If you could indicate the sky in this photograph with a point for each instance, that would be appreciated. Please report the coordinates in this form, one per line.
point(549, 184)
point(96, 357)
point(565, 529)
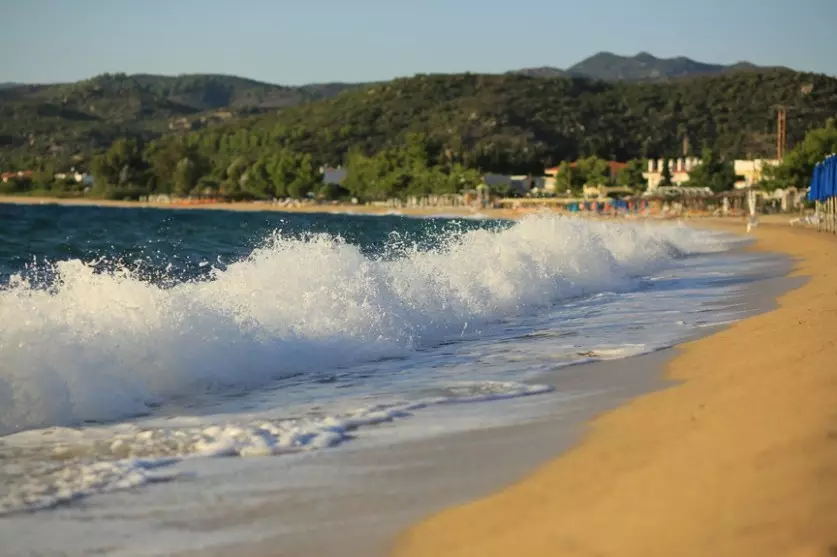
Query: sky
point(293, 42)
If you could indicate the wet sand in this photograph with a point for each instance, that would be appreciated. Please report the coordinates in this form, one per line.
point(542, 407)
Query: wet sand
point(740, 459)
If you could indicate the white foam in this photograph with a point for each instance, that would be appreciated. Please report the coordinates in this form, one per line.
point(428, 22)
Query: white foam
point(55, 466)
point(104, 346)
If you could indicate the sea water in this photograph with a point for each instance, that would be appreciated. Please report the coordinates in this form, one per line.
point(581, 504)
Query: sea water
point(136, 342)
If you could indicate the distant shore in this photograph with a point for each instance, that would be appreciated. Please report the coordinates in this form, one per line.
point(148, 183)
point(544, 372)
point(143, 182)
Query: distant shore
point(737, 460)
point(334, 208)
point(345, 208)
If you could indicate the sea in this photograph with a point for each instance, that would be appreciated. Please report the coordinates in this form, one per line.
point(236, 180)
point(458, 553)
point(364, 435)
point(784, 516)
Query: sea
point(140, 348)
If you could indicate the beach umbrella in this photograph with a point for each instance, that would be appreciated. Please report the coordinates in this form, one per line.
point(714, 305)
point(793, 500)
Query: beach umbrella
point(823, 179)
point(815, 177)
point(831, 185)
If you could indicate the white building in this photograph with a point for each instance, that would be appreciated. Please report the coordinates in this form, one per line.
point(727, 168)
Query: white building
point(679, 168)
point(751, 171)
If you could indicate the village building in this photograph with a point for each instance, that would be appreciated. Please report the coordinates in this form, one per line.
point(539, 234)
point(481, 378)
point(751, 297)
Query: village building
point(751, 172)
point(678, 168)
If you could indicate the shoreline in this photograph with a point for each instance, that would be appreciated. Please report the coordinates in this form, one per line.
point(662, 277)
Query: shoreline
point(737, 458)
point(349, 209)
point(410, 492)
point(397, 485)
point(258, 206)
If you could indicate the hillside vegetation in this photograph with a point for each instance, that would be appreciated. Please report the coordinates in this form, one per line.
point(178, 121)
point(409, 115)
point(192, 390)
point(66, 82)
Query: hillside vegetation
point(517, 123)
point(437, 133)
point(63, 120)
point(428, 133)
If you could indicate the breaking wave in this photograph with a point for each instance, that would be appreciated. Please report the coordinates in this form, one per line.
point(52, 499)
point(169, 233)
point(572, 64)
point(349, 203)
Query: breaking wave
point(99, 346)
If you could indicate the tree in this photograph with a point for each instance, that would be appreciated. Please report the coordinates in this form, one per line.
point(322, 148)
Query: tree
point(568, 178)
point(798, 165)
point(185, 176)
point(631, 176)
point(713, 173)
point(163, 158)
point(595, 171)
point(665, 174)
point(125, 175)
point(121, 164)
point(43, 178)
point(236, 170)
point(306, 178)
point(258, 181)
point(208, 185)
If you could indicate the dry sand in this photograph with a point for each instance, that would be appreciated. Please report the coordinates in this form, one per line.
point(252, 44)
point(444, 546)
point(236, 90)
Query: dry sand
point(738, 460)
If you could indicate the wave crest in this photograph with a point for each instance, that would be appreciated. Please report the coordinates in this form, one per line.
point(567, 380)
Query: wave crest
point(106, 345)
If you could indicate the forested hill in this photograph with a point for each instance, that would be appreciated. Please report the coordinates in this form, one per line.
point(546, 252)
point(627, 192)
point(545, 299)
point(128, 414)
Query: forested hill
point(514, 122)
point(65, 119)
point(190, 93)
point(497, 122)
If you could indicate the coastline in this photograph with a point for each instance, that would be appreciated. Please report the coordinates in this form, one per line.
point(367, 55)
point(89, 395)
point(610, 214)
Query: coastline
point(738, 459)
point(333, 208)
point(398, 484)
point(256, 206)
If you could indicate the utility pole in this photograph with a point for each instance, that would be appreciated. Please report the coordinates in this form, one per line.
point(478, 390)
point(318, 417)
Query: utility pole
point(781, 131)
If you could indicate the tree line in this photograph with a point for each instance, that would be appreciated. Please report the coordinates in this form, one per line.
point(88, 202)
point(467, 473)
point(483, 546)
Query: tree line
point(183, 168)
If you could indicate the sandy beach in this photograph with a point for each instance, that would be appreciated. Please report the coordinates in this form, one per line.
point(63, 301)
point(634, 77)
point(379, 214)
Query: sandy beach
point(739, 459)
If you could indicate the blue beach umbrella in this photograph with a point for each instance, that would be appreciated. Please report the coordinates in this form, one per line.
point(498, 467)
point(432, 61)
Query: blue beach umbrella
point(815, 178)
point(822, 180)
point(831, 183)
point(824, 187)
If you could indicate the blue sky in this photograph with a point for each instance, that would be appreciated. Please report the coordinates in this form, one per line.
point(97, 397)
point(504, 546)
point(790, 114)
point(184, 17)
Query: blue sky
point(303, 41)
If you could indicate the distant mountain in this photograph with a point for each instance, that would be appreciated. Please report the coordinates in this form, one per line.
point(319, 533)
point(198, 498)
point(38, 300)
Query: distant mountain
point(606, 66)
point(192, 93)
point(8, 84)
point(543, 71)
point(64, 119)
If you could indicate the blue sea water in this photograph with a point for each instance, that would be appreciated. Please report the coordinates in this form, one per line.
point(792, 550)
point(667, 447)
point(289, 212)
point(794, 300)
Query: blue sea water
point(134, 340)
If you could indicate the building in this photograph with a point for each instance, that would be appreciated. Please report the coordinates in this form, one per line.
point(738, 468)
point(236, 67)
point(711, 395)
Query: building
point(77, 177)
point(522, 184)
point(751, 172)
point(333, 175)
point(6, 176)
point(679, 169)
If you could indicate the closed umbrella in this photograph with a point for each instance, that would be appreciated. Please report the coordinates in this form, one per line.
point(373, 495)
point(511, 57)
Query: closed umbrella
point(813, 191)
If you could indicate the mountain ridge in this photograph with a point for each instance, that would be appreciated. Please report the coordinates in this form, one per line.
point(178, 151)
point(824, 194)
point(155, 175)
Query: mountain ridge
point(642, 67)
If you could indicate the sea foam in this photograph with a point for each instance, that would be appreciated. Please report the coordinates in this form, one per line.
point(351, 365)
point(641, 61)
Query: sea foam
point(100, 346)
